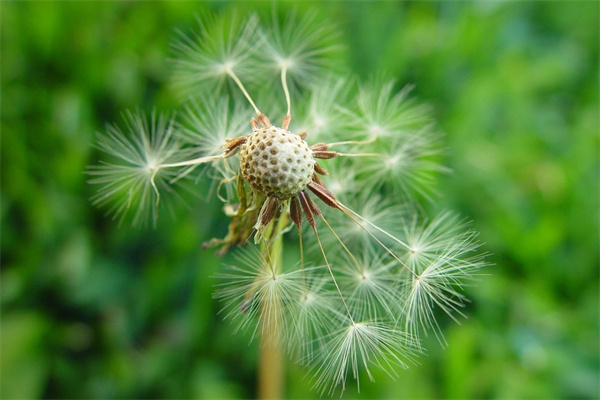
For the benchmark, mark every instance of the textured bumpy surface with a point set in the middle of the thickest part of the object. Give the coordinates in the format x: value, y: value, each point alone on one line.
x: 276, y: 162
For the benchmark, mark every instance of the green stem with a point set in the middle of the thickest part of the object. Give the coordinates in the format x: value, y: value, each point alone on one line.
x: 271, y: 360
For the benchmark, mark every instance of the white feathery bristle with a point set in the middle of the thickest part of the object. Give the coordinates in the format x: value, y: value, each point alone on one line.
x: 384, y: 112
x: 442, y: 254
x: 133, y: 182
x: 321, y: 115
x: 359, y: 346
x: 207, y: 123
x: 300, y: 44
x: 221, y: 45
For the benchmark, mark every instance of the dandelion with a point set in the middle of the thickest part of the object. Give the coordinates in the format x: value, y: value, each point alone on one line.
x: 370, y: 272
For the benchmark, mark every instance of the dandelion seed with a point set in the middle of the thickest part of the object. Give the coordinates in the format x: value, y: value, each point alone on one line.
x: 222, y: 46
x: 257, y: 294
x: 133, y: 181
x: 302, y: 46
x: 444, y: 259
x: 361, y: 345
x: 342, y: 179
x: 322, y: 115
x: 374, y: 208
x: 384, y: 113
x: 406, y: 165
x: 207, y: 123
x: 371, y: 285
x: 317, y: 313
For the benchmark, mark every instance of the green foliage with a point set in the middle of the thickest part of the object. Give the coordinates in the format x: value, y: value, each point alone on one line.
x: 92, y: 309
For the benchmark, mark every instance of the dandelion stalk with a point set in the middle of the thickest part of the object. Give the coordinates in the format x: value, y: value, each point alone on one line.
x: 271, y: 356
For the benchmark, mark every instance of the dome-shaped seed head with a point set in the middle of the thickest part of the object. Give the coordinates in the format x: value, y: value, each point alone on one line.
x: 276, y: 162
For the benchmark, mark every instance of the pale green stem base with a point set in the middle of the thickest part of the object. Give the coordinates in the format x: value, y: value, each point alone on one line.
x: 271, y: 356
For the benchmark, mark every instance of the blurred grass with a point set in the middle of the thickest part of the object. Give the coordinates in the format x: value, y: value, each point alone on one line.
x: 91, y: 309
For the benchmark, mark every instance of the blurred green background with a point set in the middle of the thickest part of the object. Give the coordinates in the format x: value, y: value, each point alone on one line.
x: 91, y: 309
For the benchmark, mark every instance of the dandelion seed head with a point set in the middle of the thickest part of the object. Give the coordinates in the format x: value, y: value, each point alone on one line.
x: 276, y: 162
x: 371, y: 285
x: 375, y: 273
x: 387, y: 113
